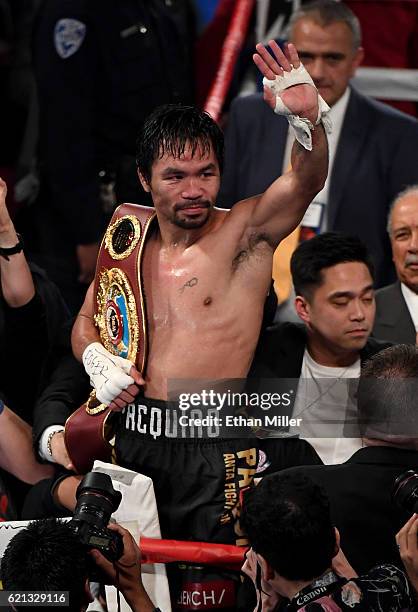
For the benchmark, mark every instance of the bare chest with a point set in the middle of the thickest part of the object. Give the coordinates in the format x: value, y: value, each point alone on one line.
x: 180, y: 291
x: 206, y: 285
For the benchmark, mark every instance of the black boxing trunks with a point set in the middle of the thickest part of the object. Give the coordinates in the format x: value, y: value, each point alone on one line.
x: 197, y: 483
x: 197, y: 480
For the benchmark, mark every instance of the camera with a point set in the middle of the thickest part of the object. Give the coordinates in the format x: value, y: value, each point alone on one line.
x: 96, y: 501
x: 405, y: 491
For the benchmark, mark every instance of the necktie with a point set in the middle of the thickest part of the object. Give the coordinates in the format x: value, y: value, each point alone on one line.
x: 281, y: 265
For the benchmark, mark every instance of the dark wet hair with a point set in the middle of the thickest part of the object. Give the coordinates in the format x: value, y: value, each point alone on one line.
x: 170, y: 128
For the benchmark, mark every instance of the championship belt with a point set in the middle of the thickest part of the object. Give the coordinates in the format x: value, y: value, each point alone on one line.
x: 120, y: 317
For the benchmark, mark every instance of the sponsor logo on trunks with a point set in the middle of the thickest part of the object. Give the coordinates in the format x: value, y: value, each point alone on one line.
x: 240, y: 468
x: 263, y: 462
x: 206, y: 595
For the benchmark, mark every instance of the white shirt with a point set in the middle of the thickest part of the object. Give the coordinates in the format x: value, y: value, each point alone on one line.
x: 325, y: 402
x: 337, y: 114
x: 411, y: 300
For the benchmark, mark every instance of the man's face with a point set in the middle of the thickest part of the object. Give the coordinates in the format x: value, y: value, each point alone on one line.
x: 184, y: 189
x: 404, y: 240
x: 340, y: 313
x: 328, y: 55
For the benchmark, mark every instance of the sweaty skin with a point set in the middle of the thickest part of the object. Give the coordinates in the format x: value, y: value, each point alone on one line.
x: 207, y: 271
x: 208, y: 328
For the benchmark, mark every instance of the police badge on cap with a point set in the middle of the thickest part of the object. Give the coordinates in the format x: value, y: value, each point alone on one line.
x: 68, y: 36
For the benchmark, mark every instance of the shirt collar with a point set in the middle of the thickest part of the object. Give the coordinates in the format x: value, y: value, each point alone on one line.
x: 337, y: 111
x: 411, y: 300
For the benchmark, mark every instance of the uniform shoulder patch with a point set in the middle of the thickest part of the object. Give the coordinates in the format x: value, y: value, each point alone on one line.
x: 68, y: 36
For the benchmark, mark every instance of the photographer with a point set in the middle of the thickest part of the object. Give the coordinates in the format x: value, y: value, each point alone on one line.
x: 296, y: 548
x: 48, y: 556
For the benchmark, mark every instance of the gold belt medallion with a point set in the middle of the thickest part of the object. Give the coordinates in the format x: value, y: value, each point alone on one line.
x: 122, y: 236
x: 117, y: 318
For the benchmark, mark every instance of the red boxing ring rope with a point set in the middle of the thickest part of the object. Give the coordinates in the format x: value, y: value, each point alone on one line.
x: 234, y: 41
x: 226, y: 556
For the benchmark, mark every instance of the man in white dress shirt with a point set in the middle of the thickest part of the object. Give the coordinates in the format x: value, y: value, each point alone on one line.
x: 372, y: 147
x: 397, y: 304
x: 333, y: 279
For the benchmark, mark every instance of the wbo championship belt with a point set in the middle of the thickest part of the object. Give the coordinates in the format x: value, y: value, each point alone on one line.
x: 120, y: 316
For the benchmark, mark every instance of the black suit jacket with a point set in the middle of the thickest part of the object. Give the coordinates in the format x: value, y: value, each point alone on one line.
x: 374, y: 161
x: 393, y: 321
x: 278, y: 359
x: 361, y: 505
x: 280, y: 349
x: 66, y: 387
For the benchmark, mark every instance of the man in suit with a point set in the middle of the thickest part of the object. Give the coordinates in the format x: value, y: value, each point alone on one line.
x: 333, y: 278
x: 360, y: 489
x: 397, y: 305
x: 372, y: 146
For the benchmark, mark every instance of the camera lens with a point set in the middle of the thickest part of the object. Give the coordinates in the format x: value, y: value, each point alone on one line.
x: 96, y: 502
x: 405, y: 491
x: 96, y: 499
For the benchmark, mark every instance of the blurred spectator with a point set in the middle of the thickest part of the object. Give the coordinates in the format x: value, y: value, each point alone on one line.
x: 333, y: 278
x: 24, y: 95
x: 397, y: 305
x: 360, y: 489
x: 99, y: 73
x: 372, y: 147
x: 12, y: 114
x: 390, y: 37
x: 295, y: 559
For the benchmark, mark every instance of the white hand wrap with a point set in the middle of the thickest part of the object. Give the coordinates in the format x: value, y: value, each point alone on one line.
x: 108, y: 373
x: 300, y: 125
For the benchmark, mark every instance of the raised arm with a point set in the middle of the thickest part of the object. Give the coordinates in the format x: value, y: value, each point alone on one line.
x: 16, y: 279
x: 281, y: 208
